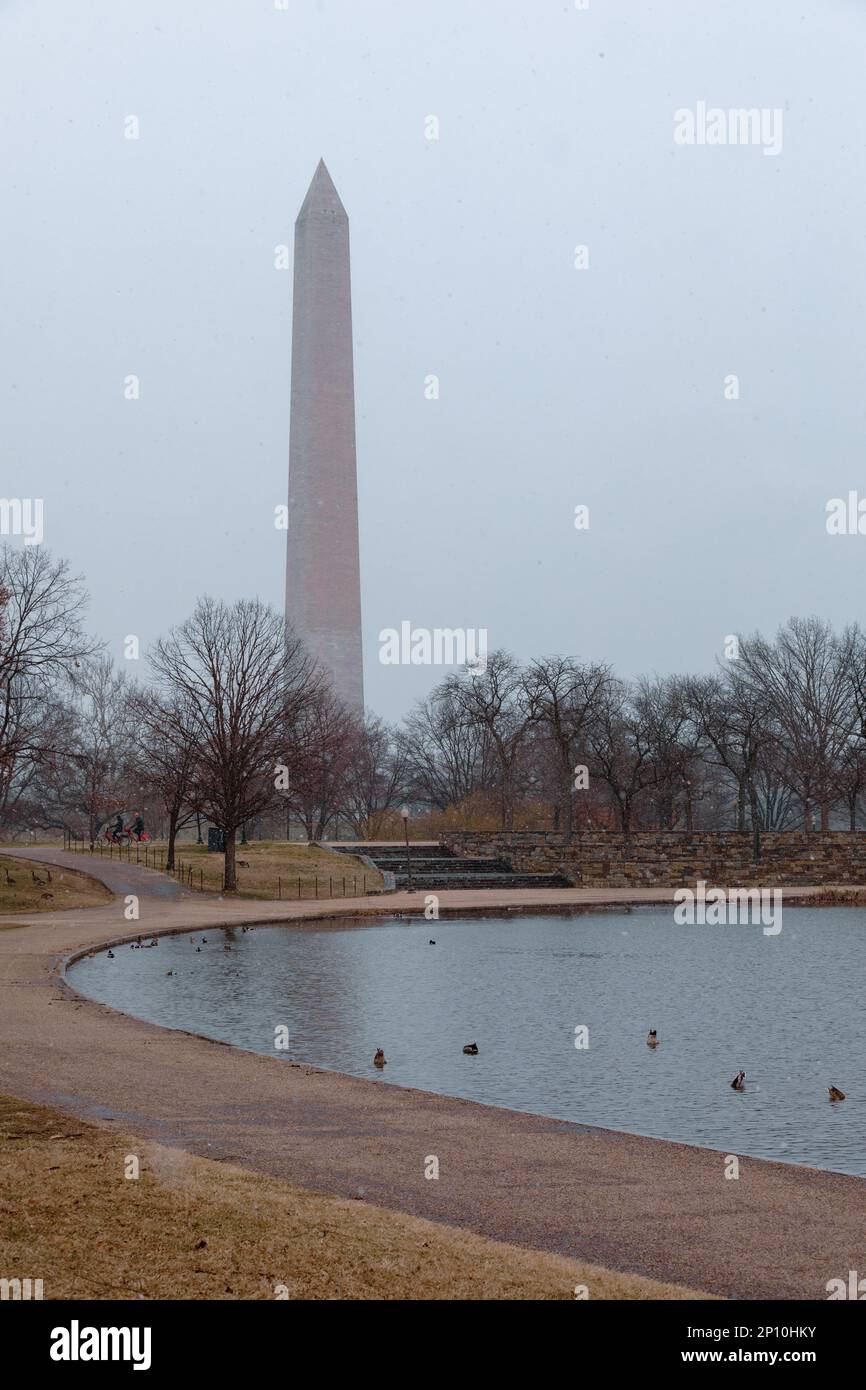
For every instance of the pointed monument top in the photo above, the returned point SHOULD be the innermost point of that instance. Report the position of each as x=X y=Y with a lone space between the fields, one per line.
x=322 y=196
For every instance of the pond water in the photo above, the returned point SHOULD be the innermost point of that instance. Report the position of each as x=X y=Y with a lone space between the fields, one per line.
x=788 y=1009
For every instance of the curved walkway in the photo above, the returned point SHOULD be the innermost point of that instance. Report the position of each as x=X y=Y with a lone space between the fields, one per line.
x=640 y=1205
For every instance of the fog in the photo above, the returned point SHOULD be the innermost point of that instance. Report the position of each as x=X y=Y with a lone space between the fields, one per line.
x=602 y=386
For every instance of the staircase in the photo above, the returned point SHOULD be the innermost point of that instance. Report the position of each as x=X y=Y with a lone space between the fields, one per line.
x=437 y=868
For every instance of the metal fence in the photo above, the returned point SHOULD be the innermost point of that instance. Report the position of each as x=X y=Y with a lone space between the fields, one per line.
x=148 y=856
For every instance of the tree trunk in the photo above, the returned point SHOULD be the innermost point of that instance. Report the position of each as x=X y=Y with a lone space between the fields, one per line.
x=756 y=824
x=567 y=815
x=172 y=835
x=230 y=876
x=505 y=804
x=852 y=812
x=741 y=806
x=825 y=817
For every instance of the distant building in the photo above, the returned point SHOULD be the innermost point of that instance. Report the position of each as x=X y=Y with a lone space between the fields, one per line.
x=323 y=582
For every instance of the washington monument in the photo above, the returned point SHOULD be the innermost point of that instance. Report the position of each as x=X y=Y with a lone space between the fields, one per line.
x=323 y=583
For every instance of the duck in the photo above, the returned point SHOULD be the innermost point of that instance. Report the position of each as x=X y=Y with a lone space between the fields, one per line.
x=198 y=948
x=431 y=942
x=471 y=1049
x=379 y=1059
x=835 y=1093
x=111 y=955
x=652 y=1038
x=739 y=1081
x=204 y=941
x=169 y=972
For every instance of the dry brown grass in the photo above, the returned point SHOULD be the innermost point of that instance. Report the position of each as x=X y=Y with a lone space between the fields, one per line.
x=67 y=887
x=193 y=1228
x=271 y=869
x=827 y=897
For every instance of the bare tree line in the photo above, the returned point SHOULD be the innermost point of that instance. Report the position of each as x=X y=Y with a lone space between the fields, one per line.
x=775 y=739
x=236 y=727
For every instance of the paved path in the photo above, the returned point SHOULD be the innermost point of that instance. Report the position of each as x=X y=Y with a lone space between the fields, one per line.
x=640 y=1205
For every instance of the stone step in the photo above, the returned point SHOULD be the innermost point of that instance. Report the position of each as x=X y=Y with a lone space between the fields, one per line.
x=441 y=882
x=445 y=866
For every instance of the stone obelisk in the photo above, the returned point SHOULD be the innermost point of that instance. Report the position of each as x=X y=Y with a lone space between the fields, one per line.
x=323 y=582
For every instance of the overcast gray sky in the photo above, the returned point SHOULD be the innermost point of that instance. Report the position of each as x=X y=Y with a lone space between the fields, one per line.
x=558 y=386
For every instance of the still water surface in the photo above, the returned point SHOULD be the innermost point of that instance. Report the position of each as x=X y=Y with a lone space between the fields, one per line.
x=789 y=1010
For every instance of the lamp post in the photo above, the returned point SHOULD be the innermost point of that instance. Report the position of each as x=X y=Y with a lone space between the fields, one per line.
x=404 y=812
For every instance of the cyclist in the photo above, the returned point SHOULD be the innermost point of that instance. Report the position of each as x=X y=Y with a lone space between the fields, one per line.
x=137 y=825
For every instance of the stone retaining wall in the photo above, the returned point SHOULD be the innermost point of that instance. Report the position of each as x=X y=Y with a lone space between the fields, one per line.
x=657 y=859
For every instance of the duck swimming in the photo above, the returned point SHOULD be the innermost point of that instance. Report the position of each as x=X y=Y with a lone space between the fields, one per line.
x=739 y=1081
x=111 y=955
x=379 y=1059
x=835 y=1093
x=652 y=1038
x=471 y=1049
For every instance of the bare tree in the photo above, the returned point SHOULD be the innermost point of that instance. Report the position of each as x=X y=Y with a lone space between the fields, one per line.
x=93 y=771
x=672 y=739
x=237 y=674
x=447 y=757
x=736 y=723
x=498 y=702
x=621 y=751
x=565 y=695
x=375 y=777
x=41 y=642
x=318 y=756
x=805 y=679
x=167 y=756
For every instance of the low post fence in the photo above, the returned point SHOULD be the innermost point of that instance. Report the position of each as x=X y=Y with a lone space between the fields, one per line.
x=187 y=875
